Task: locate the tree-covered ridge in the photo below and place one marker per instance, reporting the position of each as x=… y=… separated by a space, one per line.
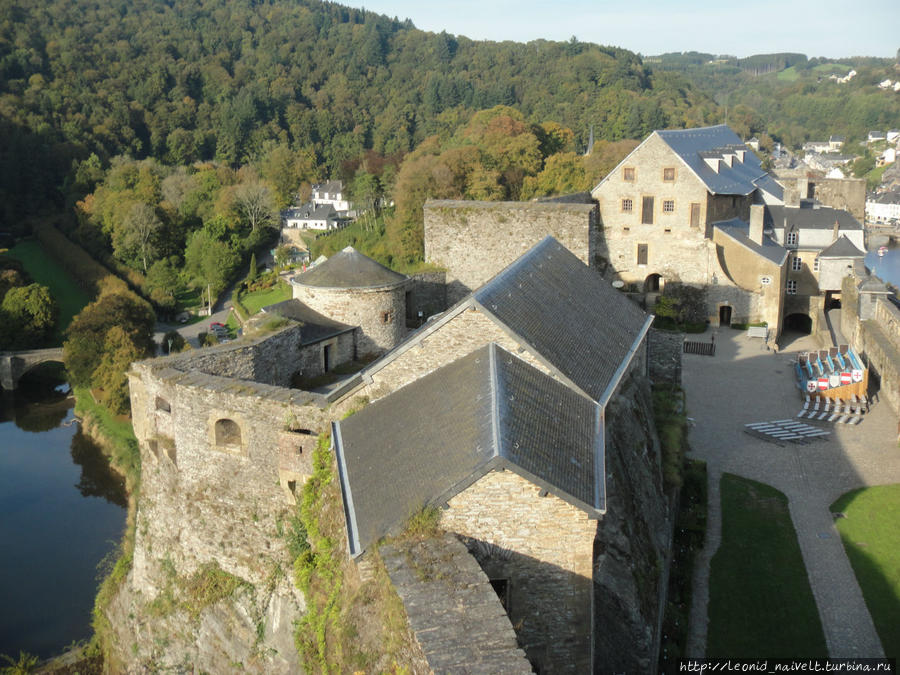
x=187 y=80
x=790 y=97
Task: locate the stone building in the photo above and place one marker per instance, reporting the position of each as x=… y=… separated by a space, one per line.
x=353 y=289
x=473 y=240
x=498 y=411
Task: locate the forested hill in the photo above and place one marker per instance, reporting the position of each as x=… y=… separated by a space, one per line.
x=793 y=98
x=184 y=80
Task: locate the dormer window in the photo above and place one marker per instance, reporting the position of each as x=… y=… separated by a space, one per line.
x=792 y=238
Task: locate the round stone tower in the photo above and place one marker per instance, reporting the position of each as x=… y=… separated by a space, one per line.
x=354 y=289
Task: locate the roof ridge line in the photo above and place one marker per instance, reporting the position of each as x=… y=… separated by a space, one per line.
x=495 y=398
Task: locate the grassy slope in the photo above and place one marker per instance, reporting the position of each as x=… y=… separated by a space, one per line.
x=259 y=299
x=70 y=297
x=871 y=538
x=760 y=601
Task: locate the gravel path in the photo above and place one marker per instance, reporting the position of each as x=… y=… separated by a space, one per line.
x=745 y=383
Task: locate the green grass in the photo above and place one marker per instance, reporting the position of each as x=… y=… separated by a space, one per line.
x=255 y=301
x=871 y=538
x=829 y=68
x=788 y=74
x=44 y=270
x=760 y=601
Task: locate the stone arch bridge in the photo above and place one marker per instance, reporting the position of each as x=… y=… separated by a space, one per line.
x=13 y=365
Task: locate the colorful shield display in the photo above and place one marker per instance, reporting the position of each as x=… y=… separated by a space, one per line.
x=856 y=374
x=810 y=386
x=846 y=378
x=823 y=383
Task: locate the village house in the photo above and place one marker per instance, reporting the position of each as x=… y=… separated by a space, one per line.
x=331 y=193
x=883 y=207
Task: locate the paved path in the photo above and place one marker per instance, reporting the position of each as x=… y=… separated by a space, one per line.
x=745 y=383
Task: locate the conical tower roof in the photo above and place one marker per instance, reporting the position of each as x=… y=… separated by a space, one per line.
x=349 y=269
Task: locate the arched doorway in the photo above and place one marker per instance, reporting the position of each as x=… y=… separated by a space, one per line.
x=652 y=283
x=725 y=315
x=798 y=323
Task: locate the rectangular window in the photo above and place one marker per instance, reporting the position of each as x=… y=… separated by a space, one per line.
x=642 y=254
x=668 y=206
x=816 y=265
x=792 y=287
x=695 y=215
x=791 y=238
x=796 y=263
x=627 y=205
x=628 y=174
x=669 y=175
x=647 y=211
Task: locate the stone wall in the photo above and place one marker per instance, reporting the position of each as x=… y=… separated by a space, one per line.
x=634 y=538
x=543 y=547
x=222 y=462
x=474 y=240
x=427 y=295
x=461 y=335
x=876 y=339
x=379 y=312
x=453 y=611
x=664 y=352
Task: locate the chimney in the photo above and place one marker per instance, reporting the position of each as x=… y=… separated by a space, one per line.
x=837 y=231
x=791 y=196
x=757 y=218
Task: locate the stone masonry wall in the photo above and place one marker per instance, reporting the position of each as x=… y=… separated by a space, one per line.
x=476 y=240
x=877 y=339
x=461 y=335
x=664 y=356
x=380 y=312
x=543 y=546
x=428 y=295
x=634 y=538
x=210 y=496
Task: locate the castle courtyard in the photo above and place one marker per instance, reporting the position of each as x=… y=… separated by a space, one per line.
x=746 y=383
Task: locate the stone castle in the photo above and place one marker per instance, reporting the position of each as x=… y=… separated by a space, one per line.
x=521 y=408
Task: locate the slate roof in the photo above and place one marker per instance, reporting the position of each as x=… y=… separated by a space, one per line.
x=872 y=284
x=315 y=327
x=692 y=145
x=310 y=212
x=805 y=218
x=739 y=230
x=349 y=269
x=433 y=438
x=842 y=248
x=329 y=186
x=569 y=316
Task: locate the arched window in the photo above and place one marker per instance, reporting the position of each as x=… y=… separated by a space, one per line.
x=228 y=433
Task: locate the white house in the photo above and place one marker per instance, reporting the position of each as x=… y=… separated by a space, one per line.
x=331 y=192
x=884 y=207
x=311 y=217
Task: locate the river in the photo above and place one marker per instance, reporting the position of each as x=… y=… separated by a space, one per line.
x=886 y=267
x=63 y=512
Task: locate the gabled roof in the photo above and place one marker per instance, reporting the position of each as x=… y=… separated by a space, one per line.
x=694 y=145
x=842 y=248
x=329 y=186
x=315 y=326
x=805 y=218
x=349 y=269
x=433 y=438
x=567 y=314
x=311 y=212
x=562 y=311
x=739 y=231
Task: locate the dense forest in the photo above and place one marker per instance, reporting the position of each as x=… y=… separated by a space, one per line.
x=231 y=81
x=792 y=98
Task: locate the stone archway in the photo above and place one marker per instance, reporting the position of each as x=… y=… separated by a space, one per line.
x=653 y=283
x=798 y=322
